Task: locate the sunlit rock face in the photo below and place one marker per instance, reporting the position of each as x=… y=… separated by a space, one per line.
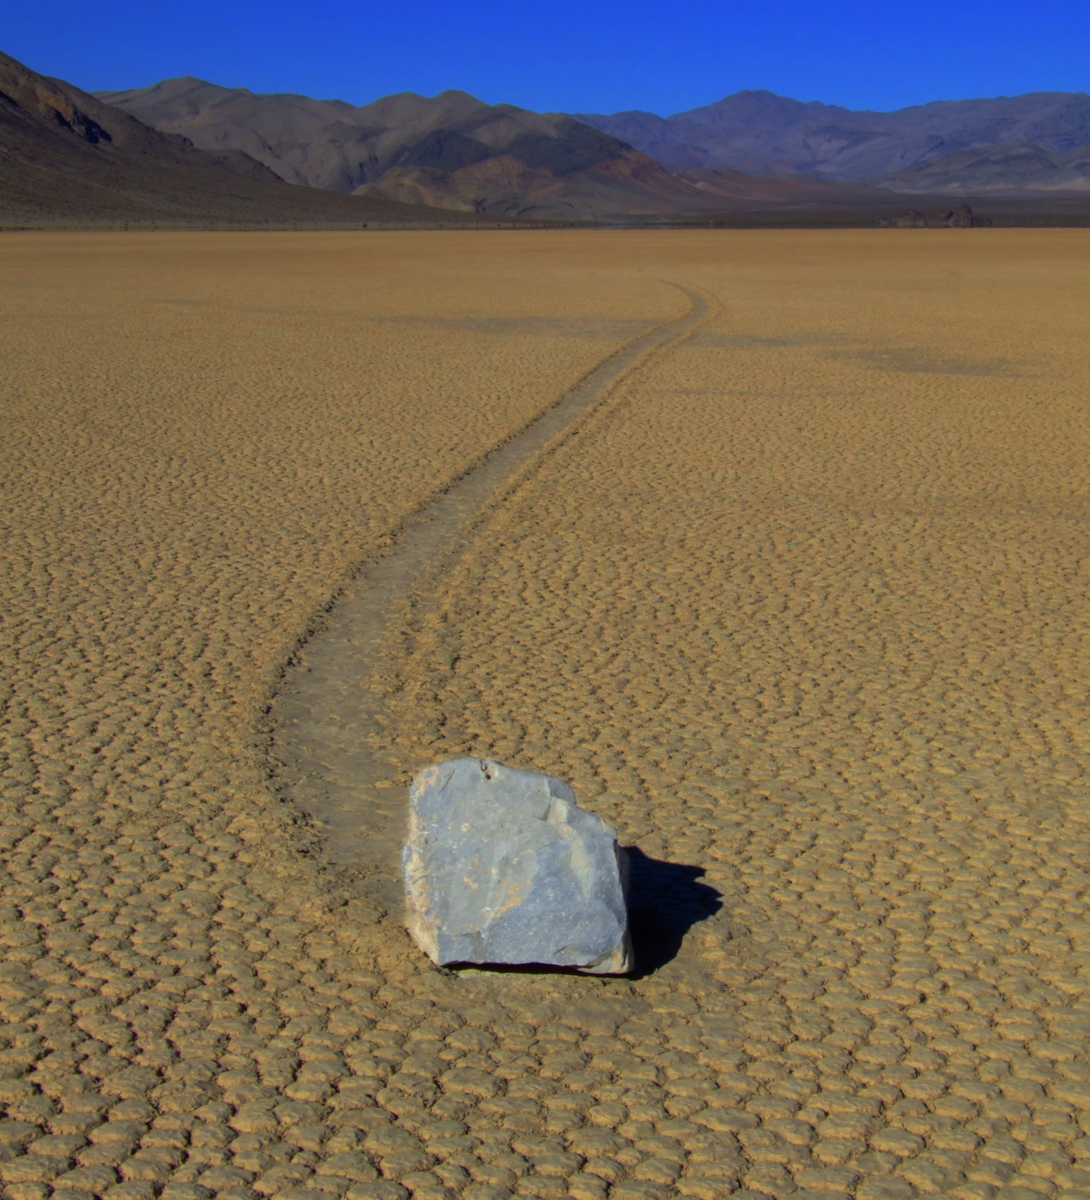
x=503 y=866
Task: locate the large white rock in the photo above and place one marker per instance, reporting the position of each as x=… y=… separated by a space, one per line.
x=502 y=866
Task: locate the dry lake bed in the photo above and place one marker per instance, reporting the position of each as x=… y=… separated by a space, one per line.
x=789 y=581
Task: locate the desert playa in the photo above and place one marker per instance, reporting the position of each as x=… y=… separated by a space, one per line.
x=797 y=601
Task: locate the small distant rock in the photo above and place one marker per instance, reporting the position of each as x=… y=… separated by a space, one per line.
x=961 y=217
x=503 y=866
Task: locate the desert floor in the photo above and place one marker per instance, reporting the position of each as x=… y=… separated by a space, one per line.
x=799 y=605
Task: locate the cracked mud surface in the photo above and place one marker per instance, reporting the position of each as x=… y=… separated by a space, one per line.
x=811 y=623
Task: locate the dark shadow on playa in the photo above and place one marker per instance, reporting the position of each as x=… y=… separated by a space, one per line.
x=665 y=900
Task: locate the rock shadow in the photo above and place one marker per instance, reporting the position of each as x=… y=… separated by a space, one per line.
x=665 y=900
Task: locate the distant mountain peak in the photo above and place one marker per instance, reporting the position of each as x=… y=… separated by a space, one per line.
x=457 y=94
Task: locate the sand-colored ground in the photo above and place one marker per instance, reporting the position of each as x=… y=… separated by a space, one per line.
x=802 y=605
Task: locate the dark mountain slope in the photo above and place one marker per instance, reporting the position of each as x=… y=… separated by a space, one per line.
x=65 y=156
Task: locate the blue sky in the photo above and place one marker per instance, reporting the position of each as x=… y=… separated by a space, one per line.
x=565 y=56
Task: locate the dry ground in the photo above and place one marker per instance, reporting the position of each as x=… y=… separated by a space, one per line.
x=803 y=605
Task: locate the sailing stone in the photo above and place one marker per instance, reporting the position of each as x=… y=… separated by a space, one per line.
x=503 y=866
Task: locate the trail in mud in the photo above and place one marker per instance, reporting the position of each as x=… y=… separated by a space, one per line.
x=328 y=715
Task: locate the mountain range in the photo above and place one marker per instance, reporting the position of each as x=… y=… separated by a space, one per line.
x=66 y=157
x=453 y=151
x=185 y=150
x=757 y=131
x=456 y=152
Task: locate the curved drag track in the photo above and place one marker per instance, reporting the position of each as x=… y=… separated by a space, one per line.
x=329 y=713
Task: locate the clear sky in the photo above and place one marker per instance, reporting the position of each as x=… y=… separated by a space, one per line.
x=568 y=55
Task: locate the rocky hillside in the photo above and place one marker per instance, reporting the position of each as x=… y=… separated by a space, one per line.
x=452 y=150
